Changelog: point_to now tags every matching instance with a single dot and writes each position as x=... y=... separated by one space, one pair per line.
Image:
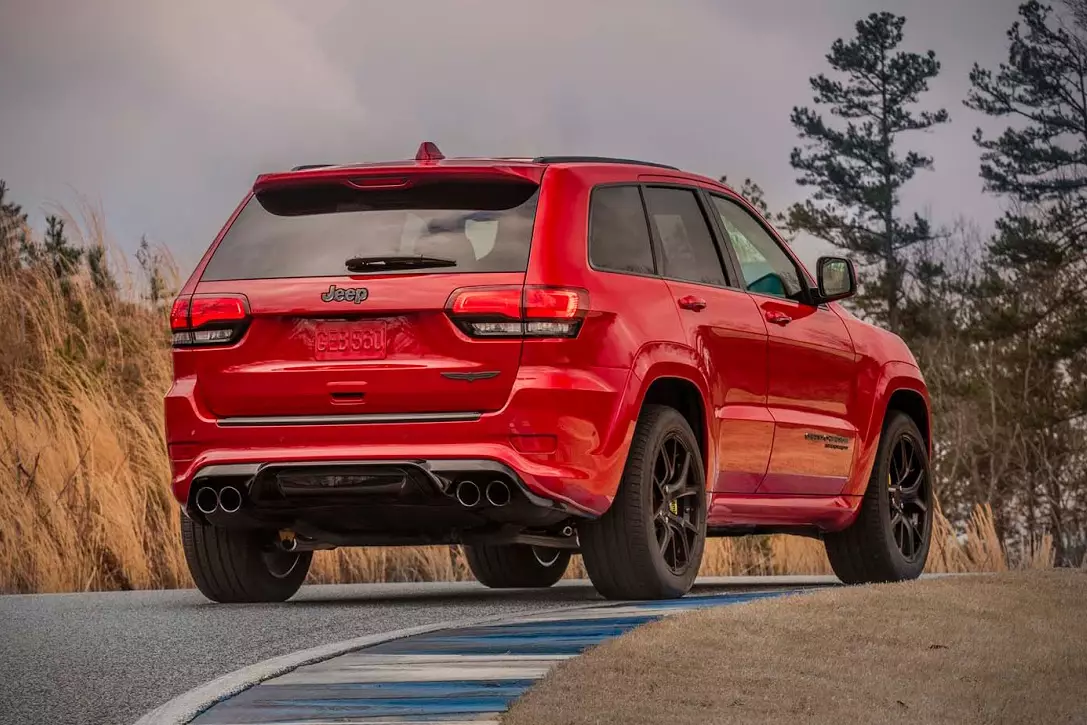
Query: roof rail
x=596 y=160
x=304 y=167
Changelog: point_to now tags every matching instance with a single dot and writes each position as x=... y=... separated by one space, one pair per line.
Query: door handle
x=690 y=302
x=778 y=318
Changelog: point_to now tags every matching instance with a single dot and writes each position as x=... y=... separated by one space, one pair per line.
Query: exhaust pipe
x=468 y=494
x=498 y=493
x=230 y=499
x=206 y=500
x=296 y=545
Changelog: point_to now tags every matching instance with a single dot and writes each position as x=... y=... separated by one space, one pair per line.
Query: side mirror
x=837 y=279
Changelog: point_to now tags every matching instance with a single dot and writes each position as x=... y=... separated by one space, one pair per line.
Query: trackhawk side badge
x=839 y=443
x=340 y=294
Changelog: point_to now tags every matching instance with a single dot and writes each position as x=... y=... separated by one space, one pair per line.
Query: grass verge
x=1002 y=648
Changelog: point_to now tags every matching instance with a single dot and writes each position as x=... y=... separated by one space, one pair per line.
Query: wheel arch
x=913 y=404
x=667 y=375
x=685 y=397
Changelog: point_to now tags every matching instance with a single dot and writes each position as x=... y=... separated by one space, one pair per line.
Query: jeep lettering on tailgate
x=341 y=294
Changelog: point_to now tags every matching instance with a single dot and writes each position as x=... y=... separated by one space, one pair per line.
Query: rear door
x=324 y=339
x=724 y=328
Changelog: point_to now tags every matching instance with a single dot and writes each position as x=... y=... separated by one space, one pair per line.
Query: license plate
x=349 y=341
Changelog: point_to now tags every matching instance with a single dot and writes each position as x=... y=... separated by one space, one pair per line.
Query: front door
x=811 y=362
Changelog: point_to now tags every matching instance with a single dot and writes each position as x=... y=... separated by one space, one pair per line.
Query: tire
x=623 y=549
x=231 y=566
x=873 y=548
x=516 y=566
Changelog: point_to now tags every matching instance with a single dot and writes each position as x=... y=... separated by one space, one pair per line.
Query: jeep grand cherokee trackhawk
x=531 y=358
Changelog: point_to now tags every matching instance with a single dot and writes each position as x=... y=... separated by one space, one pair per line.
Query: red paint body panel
x=273 y=370
x=577 y=406
x=791 y=413
x=729 y=341
x=812 y=374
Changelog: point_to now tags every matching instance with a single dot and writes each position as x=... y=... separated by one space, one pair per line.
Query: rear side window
x=618 y=231
x=312 y=230
x=690 y=253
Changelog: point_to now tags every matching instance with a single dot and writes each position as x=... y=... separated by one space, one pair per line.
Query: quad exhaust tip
x=207 y=500
x=230 y=499
x=468 y=494
x=498 y=493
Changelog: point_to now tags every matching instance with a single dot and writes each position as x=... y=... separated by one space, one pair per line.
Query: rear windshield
x=311 y=231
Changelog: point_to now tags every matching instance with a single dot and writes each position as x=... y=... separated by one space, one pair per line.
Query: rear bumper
x=373 y=502
x=579 y=411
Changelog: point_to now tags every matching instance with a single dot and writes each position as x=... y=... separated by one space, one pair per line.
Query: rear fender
x=654 y=362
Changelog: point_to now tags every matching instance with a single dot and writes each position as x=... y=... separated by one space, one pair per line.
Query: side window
x=687 y=243
x=618 y=232
x=766 y=268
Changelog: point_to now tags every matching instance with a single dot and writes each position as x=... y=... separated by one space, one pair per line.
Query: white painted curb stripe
x=186 y=706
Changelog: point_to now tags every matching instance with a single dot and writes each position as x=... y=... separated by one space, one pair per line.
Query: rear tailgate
x=324 y=341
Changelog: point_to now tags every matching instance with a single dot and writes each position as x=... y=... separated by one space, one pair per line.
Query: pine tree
x=62 y=257
x=101 y=276
x=858 y=169
x=1034 y=293
x=1044 y=156
x=12 y=230
x=151 y=262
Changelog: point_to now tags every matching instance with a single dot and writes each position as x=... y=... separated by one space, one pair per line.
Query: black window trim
x=726 y=240
x=707 y=215
x=653 y=253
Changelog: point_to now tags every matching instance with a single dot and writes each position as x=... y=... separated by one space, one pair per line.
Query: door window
x=686 y=241
x=765 y=266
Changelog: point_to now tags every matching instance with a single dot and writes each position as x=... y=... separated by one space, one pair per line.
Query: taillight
x=197 y=320
x=530 y=311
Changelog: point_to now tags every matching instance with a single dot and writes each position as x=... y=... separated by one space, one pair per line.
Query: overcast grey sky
x=164 y=111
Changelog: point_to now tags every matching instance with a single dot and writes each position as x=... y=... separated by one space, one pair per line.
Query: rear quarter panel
x=633 y=324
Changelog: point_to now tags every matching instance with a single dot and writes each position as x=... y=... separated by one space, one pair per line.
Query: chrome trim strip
x=357 y=419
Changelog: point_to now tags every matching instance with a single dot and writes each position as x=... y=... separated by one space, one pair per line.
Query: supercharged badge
x=342 y=294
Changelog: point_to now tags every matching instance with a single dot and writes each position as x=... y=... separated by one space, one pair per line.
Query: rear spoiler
x=396 y=176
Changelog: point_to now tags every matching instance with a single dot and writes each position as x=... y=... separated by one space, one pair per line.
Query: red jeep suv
x=531 y=358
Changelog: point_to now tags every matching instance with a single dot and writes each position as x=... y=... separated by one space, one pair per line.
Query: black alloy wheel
x=676 y=503
x=909 y=498
x=649 y=543
x=890 y=538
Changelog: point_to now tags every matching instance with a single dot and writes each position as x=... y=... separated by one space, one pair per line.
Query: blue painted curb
x=467 y=675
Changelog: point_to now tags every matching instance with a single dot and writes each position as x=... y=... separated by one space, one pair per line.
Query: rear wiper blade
x=378 y=264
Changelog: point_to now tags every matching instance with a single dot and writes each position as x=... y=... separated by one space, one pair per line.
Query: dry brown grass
x=84 y=495
x=1002 y=648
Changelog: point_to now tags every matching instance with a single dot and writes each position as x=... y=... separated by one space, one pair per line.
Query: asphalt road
x=90 y=659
